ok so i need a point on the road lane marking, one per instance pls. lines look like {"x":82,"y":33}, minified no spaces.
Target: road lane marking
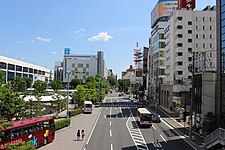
{"x":153,"y":127}
{"x":110,"y":123}
{"x":110,"y":132}
{"x":93,"y":128}
{"x":111,"y":147}
{"x":163,"y":138}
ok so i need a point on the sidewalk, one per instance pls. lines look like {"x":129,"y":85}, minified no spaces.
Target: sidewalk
{"x":197,"y":141}
{"x":66,"y":138}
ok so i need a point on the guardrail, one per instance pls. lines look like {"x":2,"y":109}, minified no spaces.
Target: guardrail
{"x":218,"y":134}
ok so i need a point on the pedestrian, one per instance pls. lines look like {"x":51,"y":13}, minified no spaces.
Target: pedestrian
{"x":78,"y":135}
{"x":200,"y":131}
{"x":82,"y":134}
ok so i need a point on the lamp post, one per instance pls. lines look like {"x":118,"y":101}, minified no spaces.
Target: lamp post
{"x":67,"y":104}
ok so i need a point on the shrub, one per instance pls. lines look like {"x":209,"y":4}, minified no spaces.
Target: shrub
{"x":75,"y":112}
{"x":20,"y":146}
{"x":62,"y":123}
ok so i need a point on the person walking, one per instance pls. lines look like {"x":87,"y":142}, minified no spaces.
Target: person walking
{"x":82,"y":134}
{"x":78,"y":135}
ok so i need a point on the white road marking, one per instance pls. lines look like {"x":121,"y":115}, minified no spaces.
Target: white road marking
{"x":110,"y":132}
{"x":115,"y":108}
{"x":153,"y":127}
{"x":163,"y":138}
{"x":111,"y":147}
{"x":110,"y":123}
{"x":105,"y":116}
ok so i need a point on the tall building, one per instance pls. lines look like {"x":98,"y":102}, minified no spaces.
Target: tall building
{"x":15,"y":68}
{"x":188,"y":32}
{"x":159,"y":16}
{"x":220,"y":89}
{"x":76,"y":66}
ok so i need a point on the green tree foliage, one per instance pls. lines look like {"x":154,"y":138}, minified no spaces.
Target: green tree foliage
{"x":80,"y":94}
{"x":28,"y":82}
{"x":57,"y":85}
{"x":11,"y":105}
{"x":209,"y":123}
{"x":19,"y":84}
{"x":74,"y":83}
{"x":124,"y":85}
{"x":135,"y":90}
{"x":58,"y":102}
{"x":2,"y":77}
{"x":111,"y":80}
{"x":20,"y":146}
{"x":40,"y":86}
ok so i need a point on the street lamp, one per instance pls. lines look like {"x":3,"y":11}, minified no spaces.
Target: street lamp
{"x":67,"y":104}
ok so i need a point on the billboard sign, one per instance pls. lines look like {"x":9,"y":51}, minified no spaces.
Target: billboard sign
{"x":186,"y":4}
{"x":163,"y":8}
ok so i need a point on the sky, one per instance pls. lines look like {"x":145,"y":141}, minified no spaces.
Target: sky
{"x":37,"y":31}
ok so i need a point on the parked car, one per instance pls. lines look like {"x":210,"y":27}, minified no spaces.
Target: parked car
{"x":156,"y":119}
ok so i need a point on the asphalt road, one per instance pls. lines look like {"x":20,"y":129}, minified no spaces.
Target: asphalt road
{"x":116,"y":129}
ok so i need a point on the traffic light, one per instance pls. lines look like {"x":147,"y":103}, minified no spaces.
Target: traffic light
{"x":184,"y":116}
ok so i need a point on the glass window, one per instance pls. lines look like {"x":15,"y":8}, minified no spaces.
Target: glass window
{"x":10,"y":76}
{"x":162,"y":45}
{"x":31,"y":70}
{"x":223,"y":15}
{"x":179,"y":35}
{"x":2,"y":65}
{"x":189,"y":23}
{"x":180,"y":54}
{"x":222,"y":2}
{"x":161,"y":36}
{"x":35,"y":71}
{"x":189,"y":31}
{"x":203,"y":45}
{"x":210,"y":27}
{"x":196,"y":44}
{"x":189,"y":40}
{"x":223,"y":23}
{"x":11,"y":67}
{"x":210,"y":36}
{"x":203,"y":27}
{"x":80,"y":65}
{"x":73,"y":65}
{"x":203,"y":36}
{"x":210,"y":45}
{"x":189,"y":58}
{"x":179,"y":18}
{"x":190,"y":50}
{"x":179,"y":27}
{"x":18,"y":74}
{"x":25,"y":75}
{"x":39,"y":71}
{"x":223,"y":44}
{"x":196,"y":18}
{"x":25,"y":69}
{"x":210,"y":18}
{"x":196,"y":27}
{"x":43,"y":72}
{"x":203,"y":18}
{"x":180,"y":63}
{"x":180,"y":72}
{"x":197,"y":36}
{"x":87,"y":65}
{"x":179,"y":44}
{"x":18,"y":68}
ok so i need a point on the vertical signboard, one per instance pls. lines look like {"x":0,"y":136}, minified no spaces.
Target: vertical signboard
{"x":186,"y":4}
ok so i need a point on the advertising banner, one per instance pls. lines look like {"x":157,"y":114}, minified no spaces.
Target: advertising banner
{"x":186,"y":4}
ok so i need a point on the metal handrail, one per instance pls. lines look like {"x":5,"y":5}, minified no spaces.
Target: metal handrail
{"x":218,"y":133}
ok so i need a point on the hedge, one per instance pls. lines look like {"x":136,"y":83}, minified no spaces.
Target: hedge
{"x":62,"y":123}
{"x":75,"y":112}
{"x":20,"y":146}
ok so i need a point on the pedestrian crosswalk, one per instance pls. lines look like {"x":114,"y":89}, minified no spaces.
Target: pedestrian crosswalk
{"x":136,"y":134}
{"x":120,"y":105}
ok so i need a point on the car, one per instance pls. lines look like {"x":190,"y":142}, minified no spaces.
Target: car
{"x":120,"y":95}
{"x":97,"y":104}
{"x":156,"y":119}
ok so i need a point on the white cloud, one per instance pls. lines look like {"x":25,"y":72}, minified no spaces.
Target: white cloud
{"x":102,"y":36}
{"x":81,"y":31}
{"x":42,"y":39}
{"x":54,"y":52}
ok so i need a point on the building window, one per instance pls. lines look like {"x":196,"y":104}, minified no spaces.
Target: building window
{"x":179,"y":35}
{"x":39,"y":72}
{"x":189,"y":40}
{"x":203,"y":18}
{"x":25,"y":69}
{"x":211,"y":64}
{"x":31,"y":70}
{"x":18,"y":68}
{"x":179,"y":18}
{"x":203,"y":36}
{"x":203,"y":27}
{"x":161,"y":36}
{"x":203,"y":45}
{"x":210,"y":45}
{"x":179,"y":27}
{"x":196,"y":36}
{"x":210,"y":27}
{"x":2,"y":65}
{"x":43,"y":72}
{"x":196,"y":45}
{"x":189,"y":58}
{"x":179,"y":54}
{"x":196,"y":18}
{"x":210,"y":18}
{"x":189,"y":23}
{"x":179,"y":44}
{"x":180,"y":72}
{"x":210,"y":54}
{"x":87,"y":65}
{"x":190,"y":50}
{"x":73,"y":65}
{"x":179,"y":63}
{"x":189,"y":31}
{"x":196,"y":27}
{"x":11,"y":67}
{"x":35,"y":71}
{"x":80,"y":65}
{"x":210,"y":36}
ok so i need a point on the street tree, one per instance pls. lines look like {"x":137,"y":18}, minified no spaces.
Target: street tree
{"x":74,"y":83}
{"x":40,"y":86}
{"x":58,"y":102}
{"x":209,"y":123}
{"x":124,"y":84}
{"x":112,"y":81}
{"x":2,"y":77}
{"x":80,"y":94}
{"x":56,"y":85}
{"x":28,"y":82}
{"x":19,"y":84}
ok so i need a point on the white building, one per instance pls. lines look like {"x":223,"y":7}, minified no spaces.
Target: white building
{"x":187,"y":32}
{"x":15,"y":68}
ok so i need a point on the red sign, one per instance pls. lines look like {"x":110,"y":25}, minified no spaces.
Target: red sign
{"x":186,"y":4}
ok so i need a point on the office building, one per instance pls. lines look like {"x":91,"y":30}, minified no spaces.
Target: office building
{"x":15,"y":68}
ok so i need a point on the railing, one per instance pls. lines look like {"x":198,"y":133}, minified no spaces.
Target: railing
{"x":217,"y":134}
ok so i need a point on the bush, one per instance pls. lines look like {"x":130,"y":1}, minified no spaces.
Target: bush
{"x":75,"y":112}
{"x":62,"y":123}
{"x":20,"y":146}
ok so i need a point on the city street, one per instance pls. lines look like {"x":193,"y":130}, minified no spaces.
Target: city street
{"x":117,"y":129}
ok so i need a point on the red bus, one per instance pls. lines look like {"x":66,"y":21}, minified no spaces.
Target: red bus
{"x":36,"y":131}
{"x":144,"y":117}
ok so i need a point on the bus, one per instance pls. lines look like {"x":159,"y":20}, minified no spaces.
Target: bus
{"x":36,"y":131}
{"x":87,"y":107}
{"x":144,"y":117}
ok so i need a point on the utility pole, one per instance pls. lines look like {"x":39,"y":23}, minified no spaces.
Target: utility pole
{"x":67,"y":104}
{"x":192,"y":94}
